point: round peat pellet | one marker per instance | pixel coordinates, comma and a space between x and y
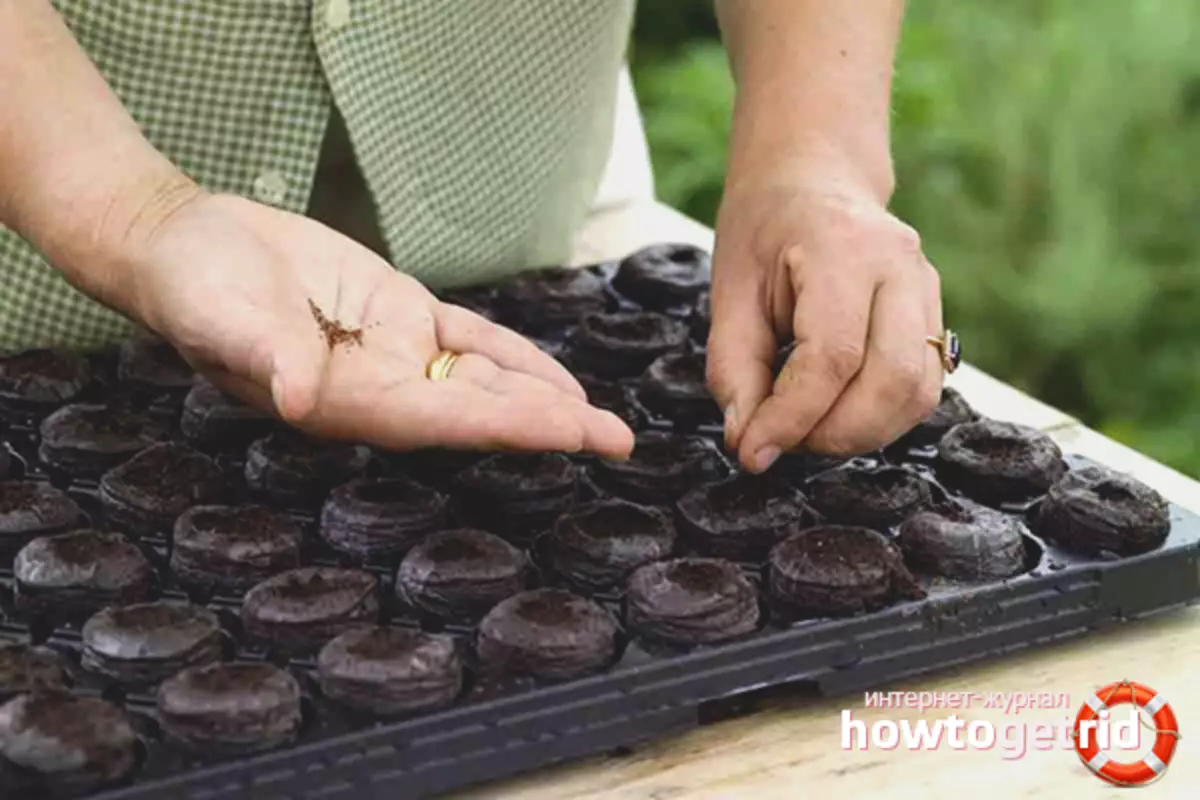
29, 509
144, 643
872, 497
152, 365
86, 440
35, 382
375, 519
232, 548
1094, 510
742, 517
71, 576
516, 494
622, 344
231, 708
999, 462
461, 574
838, 570
26, 668
58, 745
298, 611
688, 601
963, 540
295, 470
147, 493
673, 387
434, 467
952, 409
216, 422
387, 671
662, 468
596, 545
544, 300
547, 633
613, 397
664, 277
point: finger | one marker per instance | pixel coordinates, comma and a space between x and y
245, 390
831, 323
889, 395
741, 349
465, 331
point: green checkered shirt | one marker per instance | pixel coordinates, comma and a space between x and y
481, 127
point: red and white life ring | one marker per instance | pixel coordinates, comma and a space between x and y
1166, 727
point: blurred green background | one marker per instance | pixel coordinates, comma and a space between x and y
1049, 153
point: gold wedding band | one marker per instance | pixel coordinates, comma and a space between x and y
949, 348
439, 368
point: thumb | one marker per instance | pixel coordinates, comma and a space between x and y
294, 367
741, 351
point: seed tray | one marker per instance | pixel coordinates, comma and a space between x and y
503, 726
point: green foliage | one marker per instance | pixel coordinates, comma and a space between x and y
1047, 150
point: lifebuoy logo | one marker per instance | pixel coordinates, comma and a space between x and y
1092, 727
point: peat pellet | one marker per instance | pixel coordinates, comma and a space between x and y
742, 517
838, 570
150, 364
29, 509
999, 462
962, 540
547, 633
298, 611
662, 468
146, 642
232, 548
380, 518
1094, 510
673, 387
434, 467
622, 344
71, 576
873, 497
291, 468
84, 440
7, 465
614, 397
386, 671
26, 668
35, 382
230, 708
147, 493
53, 744
596, 545
551, 299
687, 601
461, 573
517, 495
216, 422
952, 409
664, 277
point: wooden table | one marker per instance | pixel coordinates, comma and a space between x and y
794, 749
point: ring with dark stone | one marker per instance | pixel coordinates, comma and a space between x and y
689, 601
664, 277
386, 671
231, 708
298, 611
29, 509
147, 493
962, 540
26, 668
622, 344
232, 548
216, 422
547, 633
662, 468
461, 574
381, 518
145, 643
87, 440
299, 471
673, 387
1094, 510
595, 546
35, 382
837, 570
742, 517
70, 576
871, 497
517, 495
999, 462
57, 745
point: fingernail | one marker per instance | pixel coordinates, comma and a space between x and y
765, 457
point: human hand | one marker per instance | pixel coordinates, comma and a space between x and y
815, 256
229, 282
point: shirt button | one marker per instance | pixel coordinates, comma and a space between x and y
270, 187
337, 14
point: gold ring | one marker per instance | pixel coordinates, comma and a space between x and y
439, 368
949, 348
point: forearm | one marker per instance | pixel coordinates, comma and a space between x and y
813, 84
77, 177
